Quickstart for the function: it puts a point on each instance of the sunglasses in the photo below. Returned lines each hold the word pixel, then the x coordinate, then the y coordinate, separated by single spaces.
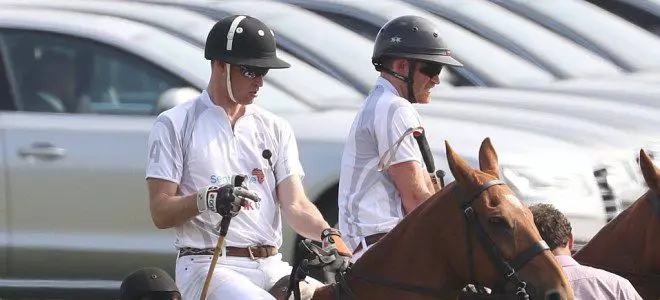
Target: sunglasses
pixel 253 72
pixel 431 70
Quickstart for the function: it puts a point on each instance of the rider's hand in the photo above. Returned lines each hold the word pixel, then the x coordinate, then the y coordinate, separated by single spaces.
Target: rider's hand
pixel 332 242
pixel 227 199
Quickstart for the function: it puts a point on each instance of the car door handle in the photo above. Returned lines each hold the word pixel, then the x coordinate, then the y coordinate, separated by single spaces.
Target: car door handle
pixel 45 151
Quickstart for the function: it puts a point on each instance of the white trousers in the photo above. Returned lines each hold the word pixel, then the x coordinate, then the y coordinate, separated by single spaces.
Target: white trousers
pixel 233 277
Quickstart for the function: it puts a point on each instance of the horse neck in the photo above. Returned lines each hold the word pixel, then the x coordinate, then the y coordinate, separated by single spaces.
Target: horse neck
pixel 623 243
pixel 416 250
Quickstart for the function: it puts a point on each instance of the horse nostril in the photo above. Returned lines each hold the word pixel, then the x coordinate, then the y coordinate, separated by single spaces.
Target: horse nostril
pixel 553 295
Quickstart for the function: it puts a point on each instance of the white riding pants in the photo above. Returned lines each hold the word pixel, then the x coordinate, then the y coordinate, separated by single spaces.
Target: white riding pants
pixel 233 277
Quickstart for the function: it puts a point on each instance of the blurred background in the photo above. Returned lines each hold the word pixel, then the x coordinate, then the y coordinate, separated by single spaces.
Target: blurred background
pixel 566 89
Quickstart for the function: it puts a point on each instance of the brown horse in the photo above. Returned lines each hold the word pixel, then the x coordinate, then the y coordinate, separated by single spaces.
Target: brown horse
pixel 629 245
pixel 473 231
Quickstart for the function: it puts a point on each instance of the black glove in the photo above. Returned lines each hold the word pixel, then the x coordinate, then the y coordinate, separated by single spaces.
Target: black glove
pixel 333 244
pixel 227 199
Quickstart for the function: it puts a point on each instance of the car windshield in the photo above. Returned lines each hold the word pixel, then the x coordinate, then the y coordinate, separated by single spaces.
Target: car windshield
pixel 318 34
pixel 485 58
pixel 634 45
pixel 569 58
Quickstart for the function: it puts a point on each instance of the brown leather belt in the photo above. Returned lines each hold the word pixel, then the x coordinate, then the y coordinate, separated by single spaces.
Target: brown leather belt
pixel 369 240
pixel 253 252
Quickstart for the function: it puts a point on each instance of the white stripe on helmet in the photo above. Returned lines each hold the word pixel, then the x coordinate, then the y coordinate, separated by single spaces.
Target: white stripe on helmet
pixel 232 30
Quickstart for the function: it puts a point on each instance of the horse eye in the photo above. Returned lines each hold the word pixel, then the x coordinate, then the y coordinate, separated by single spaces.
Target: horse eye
pixel 498 221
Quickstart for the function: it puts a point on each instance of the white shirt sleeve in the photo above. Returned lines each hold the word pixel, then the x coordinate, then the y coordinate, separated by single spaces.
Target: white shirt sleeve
pixel 164 155
pixel 288 162
pixel 388 130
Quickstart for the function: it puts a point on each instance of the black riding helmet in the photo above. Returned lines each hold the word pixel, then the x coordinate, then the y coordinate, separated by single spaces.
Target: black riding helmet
pixel 410 37
pixel 146 282
pixel 243 40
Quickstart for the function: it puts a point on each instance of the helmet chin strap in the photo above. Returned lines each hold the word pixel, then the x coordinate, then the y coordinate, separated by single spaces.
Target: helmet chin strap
pixel 408 80
pixel 231 94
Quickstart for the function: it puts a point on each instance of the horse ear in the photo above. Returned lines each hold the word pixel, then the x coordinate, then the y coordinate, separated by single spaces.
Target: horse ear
pixel 488 159
pixel 651 173
pixel 457 165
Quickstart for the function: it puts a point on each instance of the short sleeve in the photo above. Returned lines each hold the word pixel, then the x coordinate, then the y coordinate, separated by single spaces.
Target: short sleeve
pixel 392 126
pixel 288 162
pixel 164 155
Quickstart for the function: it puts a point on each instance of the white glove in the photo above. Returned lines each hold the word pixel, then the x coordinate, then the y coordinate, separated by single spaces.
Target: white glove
pixel 227 199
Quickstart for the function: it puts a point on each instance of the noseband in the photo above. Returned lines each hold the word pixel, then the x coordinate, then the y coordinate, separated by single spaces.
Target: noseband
pixel 507 269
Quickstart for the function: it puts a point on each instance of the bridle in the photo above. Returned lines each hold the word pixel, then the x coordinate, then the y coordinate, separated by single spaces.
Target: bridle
pixel 508 269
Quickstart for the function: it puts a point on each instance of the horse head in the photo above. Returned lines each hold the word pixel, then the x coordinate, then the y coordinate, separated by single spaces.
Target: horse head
pixel 629 244
pixel 474 231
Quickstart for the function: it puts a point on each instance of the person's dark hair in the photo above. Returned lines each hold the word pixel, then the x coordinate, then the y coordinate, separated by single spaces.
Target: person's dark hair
pixel 388 62
pixel 553 226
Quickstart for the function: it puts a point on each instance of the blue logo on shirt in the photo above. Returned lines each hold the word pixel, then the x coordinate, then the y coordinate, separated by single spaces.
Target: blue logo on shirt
pixel 252 178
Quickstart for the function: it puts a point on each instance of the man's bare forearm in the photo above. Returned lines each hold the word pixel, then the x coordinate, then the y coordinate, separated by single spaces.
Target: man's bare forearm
pixel 171 211
pixel 305 219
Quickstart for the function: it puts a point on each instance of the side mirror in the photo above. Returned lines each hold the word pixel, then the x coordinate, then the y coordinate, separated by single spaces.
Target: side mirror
pixel 174 97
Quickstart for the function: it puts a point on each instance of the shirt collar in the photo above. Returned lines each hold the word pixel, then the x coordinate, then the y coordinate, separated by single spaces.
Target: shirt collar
pixel 566 260
pixel 206 99
pixel 387 84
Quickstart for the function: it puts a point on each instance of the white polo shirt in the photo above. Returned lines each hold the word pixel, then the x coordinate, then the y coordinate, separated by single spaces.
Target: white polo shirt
pixel 194 145
pixel 369 202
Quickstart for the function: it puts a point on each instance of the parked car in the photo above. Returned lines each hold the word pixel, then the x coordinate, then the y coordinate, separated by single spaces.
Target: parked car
pixel 314 88
pixel 484 61
pixel 595 29
pixel 528 39
pixel 643 13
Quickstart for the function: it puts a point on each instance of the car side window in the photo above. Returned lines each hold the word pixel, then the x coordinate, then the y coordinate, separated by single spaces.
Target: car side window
pixel 64 74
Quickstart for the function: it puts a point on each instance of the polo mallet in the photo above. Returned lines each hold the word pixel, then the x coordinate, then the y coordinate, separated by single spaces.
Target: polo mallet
pixel 437 177
pixel 224 227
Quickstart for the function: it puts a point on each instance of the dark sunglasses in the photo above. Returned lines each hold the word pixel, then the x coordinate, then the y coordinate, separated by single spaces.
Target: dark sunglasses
pixel 431 70
pixel 253 72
